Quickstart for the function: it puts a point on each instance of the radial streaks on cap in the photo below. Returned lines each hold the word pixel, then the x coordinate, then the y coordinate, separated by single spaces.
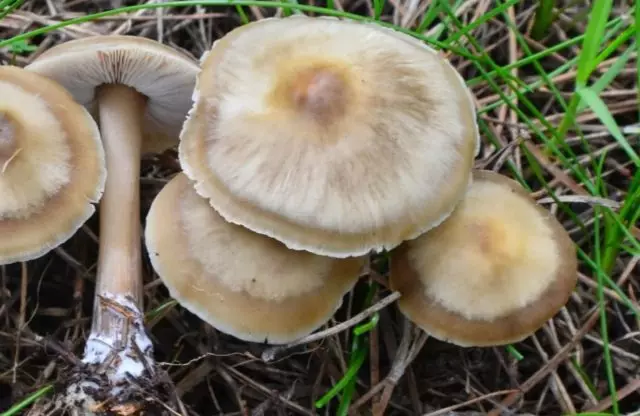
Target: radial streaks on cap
pixel 328 144
pixel 52 166
pixel 36 163
pixel 246 262
pixel 240 282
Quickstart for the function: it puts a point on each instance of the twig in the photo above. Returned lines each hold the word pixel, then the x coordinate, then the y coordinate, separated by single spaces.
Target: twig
pixel 270 354
pixel 446 410
pixel 632 386
pixel 270 393
pixel 405 354
pixel 551 365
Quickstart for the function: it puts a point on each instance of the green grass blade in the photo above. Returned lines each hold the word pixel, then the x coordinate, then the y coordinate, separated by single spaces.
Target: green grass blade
pixel 576 169
pixel 590 46
pixel 607 78
pixel 428 17
pixel 156 311
pixel 586 379
pixel 624 299
pixel 598 19
pixel 378 6
pixel 347 392
pixel 613 46
pixel 367 326
pixel 359 350
pixel 211 3
pixel 637 20
pixel 16 409
pixel 10 8
pixel 514 352
pixel 537 66
pixel 613 26
pixel 243 16
pixel 600 109
pixel 353 369
pixel 286 11
pixel 465 30
pixel 7 3
pixel 345 400
pixel 617 227
pixel 544 18
pixel 603 317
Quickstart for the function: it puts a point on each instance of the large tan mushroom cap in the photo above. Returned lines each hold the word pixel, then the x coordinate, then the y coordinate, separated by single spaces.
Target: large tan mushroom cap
pixel 163 75
pixel 493 273
pixel 331 136
pixel 52 167
pixel 245 284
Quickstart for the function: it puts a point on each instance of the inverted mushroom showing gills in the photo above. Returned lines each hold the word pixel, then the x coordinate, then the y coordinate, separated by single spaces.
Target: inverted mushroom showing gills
pixel 333 136
pixel 52 166
pixel 491 274
pixel 140 91
pixel 242 283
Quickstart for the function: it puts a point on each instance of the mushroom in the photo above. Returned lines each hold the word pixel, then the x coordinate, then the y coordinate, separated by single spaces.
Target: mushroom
pixel 52 165
pixel 331 136
pixel 140 91
pixel 492 273
pixel 242 283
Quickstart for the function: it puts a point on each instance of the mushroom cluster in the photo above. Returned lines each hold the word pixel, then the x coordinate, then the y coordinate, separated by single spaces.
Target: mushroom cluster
pixel 311 152
pixel 303 152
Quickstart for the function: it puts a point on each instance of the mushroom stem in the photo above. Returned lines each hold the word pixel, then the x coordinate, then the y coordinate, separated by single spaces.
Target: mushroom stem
pixel 117 327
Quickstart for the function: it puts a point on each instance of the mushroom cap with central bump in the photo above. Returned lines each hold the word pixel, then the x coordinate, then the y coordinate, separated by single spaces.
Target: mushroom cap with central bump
pixel 492 273
pixel 318 93
pixel 52 165
pixel 332 136
pixel 165 76
pixel 242 283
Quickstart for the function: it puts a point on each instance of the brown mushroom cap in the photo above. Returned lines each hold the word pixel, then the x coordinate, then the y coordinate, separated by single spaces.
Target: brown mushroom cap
pixel 52 165
pixel 163 75
pixel 332 136
pixel 242 283
pixel 492 273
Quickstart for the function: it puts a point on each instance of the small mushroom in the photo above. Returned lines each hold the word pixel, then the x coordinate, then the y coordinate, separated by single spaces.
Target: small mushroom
pixel 242 283
pixel 52 165
pixel 491 274
pixel 332 136
pixel 140 92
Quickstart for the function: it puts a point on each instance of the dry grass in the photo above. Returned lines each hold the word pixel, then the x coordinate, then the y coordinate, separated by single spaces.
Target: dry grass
pixel 45 305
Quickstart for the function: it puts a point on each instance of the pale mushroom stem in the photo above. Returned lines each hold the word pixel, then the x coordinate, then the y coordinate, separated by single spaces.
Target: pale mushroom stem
pixel 117 329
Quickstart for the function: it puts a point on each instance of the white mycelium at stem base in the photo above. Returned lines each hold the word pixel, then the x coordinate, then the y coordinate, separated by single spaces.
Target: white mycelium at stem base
pixel 118 326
